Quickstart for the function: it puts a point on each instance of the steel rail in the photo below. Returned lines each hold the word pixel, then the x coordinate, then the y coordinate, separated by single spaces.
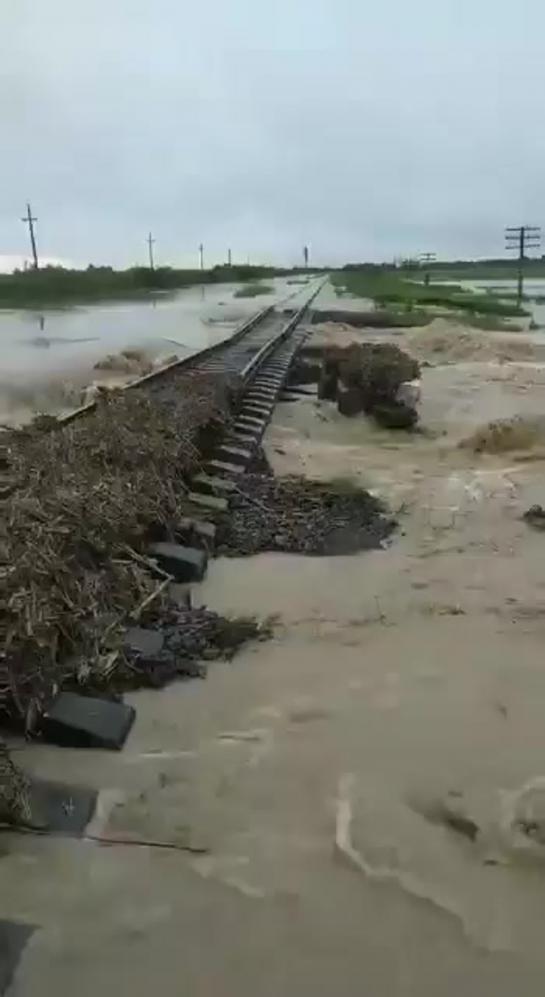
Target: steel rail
pixel 209 352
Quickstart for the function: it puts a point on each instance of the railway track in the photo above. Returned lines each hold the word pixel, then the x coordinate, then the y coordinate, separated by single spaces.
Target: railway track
pixel 241 354
pixel 256 361
pixel 259 355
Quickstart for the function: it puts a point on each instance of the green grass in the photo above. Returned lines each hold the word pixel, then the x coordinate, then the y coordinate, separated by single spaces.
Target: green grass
pixel 253 290
pixel 395 290
pixel 506 269
pixel 53 286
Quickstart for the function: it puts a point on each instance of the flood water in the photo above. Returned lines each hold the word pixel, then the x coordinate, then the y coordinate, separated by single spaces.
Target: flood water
pixel 533 288
pixel 49 354
pixel 310 774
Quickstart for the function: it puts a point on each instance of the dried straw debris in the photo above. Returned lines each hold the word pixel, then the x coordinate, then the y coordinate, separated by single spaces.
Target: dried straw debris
pixel 87 497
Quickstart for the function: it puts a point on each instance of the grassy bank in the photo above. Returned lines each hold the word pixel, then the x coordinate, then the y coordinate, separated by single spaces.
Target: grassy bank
pixel 57 285
pixel 506 269
pixel 394 289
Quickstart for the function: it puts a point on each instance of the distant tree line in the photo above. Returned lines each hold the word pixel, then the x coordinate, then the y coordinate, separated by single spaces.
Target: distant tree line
pixel 52 284
pixel 502 266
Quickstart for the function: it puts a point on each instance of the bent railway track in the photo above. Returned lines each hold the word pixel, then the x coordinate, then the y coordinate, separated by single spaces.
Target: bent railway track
pixel 76 511
pixel 258 357
pixel 242 354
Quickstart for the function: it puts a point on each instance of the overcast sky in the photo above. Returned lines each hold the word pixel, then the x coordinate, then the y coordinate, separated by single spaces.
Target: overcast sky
pixel 366 129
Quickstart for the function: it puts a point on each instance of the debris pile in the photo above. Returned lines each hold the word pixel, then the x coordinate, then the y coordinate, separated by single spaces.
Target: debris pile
pixel 15 804
pixel 79 506
pixel 378 379
pixel 535 516
pixel 297 516
pixel 176 642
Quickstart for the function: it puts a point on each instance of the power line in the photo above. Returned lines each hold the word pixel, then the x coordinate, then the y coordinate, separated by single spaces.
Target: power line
pixel 521 238
pixel 29 220
pixel 150 241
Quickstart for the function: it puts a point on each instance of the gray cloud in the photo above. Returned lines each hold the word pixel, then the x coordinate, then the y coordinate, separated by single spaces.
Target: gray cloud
pixel 367 131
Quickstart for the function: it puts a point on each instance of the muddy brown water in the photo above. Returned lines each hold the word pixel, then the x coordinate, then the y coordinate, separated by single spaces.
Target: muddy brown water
pixel 307 766
pixel 48 355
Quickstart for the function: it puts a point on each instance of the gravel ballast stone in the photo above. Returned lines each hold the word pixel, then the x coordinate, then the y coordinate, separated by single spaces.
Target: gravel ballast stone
pixel 294 515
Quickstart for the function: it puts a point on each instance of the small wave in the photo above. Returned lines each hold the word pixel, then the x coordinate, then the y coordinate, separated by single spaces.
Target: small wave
pixel 504 435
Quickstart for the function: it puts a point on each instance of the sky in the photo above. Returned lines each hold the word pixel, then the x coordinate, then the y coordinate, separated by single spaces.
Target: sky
pixel 365 130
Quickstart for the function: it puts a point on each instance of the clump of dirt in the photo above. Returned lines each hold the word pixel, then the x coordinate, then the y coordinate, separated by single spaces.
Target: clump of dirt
pixel 535 516
pixel 297 516
pixel 384 368
pixel 503 435
pixel 368 377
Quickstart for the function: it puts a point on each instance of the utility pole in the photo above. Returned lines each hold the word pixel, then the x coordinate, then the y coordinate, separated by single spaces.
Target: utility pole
pixel 201 256
pixel 305 256
pixel 150 240
pixel 521 238
pixel 229 258
pixel 29 220
pixel 425 260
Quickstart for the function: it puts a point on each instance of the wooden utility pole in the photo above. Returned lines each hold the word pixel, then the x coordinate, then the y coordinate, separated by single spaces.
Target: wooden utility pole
pixel 425 260
pixel 29 220
pixel 229 258
pixel 201 256
pixel 150 240
pixel 521 238
pixel 306 255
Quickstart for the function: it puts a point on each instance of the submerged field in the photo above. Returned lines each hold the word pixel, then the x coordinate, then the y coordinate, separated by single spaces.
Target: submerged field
pixel 407 292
